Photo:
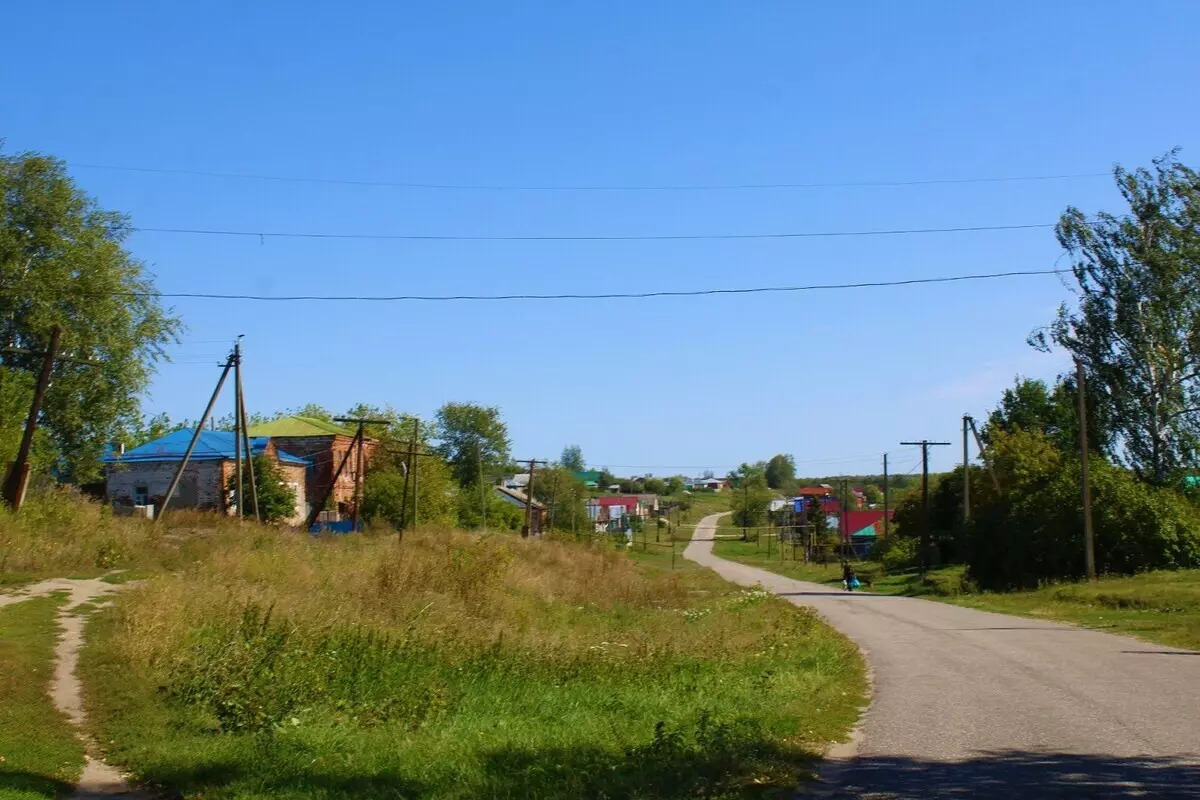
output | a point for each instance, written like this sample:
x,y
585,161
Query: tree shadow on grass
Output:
x,y
19,783
272,781
1016,774
759,770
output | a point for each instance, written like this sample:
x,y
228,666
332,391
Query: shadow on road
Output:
x,y
1017,774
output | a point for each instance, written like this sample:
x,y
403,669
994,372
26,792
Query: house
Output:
x,y
521,500
613,512
142,476
520,481
647,504
707,484
590,478
323,445
824,490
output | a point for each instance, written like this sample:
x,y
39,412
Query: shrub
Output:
x,y
896,553
1035,534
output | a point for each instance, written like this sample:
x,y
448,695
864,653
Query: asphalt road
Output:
x,y
970,704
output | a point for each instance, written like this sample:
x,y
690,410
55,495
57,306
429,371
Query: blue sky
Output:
x,y
568,93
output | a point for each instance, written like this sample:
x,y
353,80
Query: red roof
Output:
x,y
813,491
629,501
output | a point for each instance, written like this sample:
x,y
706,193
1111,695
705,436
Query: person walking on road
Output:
x,y
849,579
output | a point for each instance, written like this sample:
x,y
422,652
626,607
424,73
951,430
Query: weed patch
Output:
x,y
459,666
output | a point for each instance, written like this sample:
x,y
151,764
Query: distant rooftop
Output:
x,y
298,426
211,446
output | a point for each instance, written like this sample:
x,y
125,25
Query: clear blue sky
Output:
x,y
611,93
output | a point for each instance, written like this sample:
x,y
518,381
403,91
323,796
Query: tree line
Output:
x,y
1134,334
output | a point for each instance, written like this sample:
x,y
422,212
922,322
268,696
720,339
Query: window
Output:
x,y
141,495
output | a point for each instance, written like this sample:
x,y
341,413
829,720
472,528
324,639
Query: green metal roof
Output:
x,y
298,426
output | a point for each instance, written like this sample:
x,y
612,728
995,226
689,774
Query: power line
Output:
x,y
262,235
592,188
599,296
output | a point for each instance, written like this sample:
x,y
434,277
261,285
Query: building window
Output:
x,y
141,495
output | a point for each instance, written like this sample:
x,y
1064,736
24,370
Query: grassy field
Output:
x,y
254,662
1161,607
39,756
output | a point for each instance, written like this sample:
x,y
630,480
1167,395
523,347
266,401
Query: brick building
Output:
x,y
142,476
323,445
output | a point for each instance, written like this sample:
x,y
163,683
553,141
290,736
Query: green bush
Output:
x,y
896,553
1035,535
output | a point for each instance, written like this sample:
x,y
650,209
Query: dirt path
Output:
x,y
98,778
974,704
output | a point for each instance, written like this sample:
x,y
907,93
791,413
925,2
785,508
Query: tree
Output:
x,y
311,410
471,437
1031,405
655,486
675,484
1136,330
751,500
572,458
276,500
565,498
781,471
62,263
873,494
16,393
438,500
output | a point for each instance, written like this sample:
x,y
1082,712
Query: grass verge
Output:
x,y
456,666
39,755
1161,606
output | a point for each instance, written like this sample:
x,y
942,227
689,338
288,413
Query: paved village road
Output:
x,y
970,704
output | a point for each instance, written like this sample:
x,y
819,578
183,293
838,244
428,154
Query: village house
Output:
x,y
142,476
614,512
707,484
323,445
519,499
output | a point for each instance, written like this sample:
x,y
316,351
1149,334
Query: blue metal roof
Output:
x,y
211,446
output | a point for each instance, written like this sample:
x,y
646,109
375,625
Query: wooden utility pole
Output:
x,y
966,472
237,427
318,507
243,442
1089,544
925,444
18,476
416,439
987,462
212,401
528,527
483,498
361,462
886,497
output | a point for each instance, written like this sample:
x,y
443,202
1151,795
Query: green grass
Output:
x,y
40,755
1162,606
463,667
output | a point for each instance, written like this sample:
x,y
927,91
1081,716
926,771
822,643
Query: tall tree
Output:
x,y
1136,330
468,433
62,263
781,471
1030,405
572,458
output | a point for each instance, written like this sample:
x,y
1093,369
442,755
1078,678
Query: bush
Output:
x,y
896,553
1035,534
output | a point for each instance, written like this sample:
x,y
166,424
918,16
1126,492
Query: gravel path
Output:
x,y
98,780
971,704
